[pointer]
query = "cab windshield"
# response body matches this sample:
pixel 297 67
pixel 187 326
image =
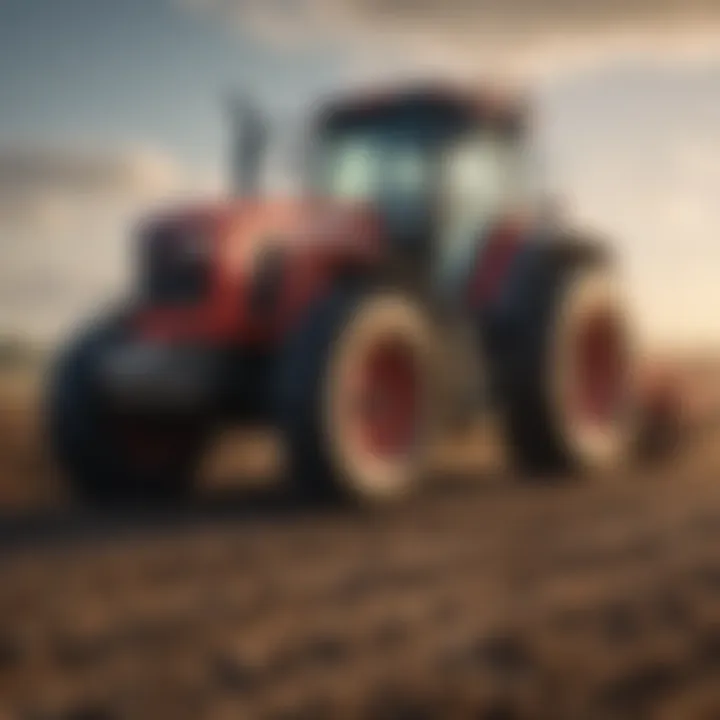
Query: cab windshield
pixel 371 166
pixel 427 169
pixel 386 160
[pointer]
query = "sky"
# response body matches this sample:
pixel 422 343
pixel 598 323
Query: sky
pixel 108 109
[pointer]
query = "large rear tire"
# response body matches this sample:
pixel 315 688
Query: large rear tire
pixel 571 405
pixel 356 403
pixel 100 453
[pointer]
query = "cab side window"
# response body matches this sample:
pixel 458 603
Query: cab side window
pixel 479 182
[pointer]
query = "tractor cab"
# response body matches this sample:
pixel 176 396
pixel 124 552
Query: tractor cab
pixel 440 168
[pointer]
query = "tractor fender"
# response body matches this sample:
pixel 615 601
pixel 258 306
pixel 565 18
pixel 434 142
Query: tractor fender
pixel 352 275
pixel 537 259
pixel 511 313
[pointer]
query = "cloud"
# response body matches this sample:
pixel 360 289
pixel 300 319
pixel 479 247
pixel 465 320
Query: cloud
pixel 84 170
pixel 65 216
pixel 47 186
pixel 513 38
pixel 282 22
pixel 527 17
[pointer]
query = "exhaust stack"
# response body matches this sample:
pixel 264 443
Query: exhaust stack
pixel 248 139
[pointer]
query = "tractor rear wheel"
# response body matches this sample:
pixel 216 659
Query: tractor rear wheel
pixel 356 397
pixel 572 403
pixel 109 457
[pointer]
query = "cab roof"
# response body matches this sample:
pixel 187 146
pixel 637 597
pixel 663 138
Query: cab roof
pixel 481 101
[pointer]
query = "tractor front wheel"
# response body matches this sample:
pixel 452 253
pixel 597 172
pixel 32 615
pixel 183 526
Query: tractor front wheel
pixel 357 396
pixel 110 457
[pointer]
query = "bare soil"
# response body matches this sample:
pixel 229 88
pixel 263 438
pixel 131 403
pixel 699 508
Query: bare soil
pixel 486 597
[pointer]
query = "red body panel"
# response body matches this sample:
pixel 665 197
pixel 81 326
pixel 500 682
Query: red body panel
pixel 317 240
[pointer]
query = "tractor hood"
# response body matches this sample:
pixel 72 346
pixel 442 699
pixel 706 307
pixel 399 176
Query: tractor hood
pixel 246 229
pixel 258 264
pixel 324 230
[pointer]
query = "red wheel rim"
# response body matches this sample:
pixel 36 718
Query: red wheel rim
pixel 386 399
pixel 600 355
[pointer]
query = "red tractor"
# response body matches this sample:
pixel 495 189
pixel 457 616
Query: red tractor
pixel 416 283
